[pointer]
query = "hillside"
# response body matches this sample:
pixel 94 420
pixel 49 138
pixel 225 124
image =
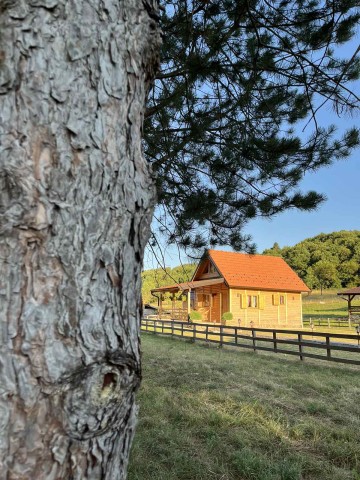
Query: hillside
pixel 328 260
pixel 160 277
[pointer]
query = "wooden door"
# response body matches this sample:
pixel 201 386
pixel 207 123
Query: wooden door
pixel 204 306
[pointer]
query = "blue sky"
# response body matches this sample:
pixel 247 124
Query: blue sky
pixel 340 183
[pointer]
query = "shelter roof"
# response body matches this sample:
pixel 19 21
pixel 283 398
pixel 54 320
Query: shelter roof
pixel 351 291
pixel 262 272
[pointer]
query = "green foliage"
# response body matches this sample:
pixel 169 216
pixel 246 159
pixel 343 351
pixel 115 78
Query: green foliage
pixel 326 261
pixel 237 80
pixel 195 316
pixel 226 317
pixel 159 277
pixel 326 273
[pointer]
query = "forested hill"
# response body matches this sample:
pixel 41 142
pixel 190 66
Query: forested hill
pixel 327 260
pixel 160 277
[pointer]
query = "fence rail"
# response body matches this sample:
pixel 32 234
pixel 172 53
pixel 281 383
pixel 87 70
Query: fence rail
pixel 328 322
pixel 327 346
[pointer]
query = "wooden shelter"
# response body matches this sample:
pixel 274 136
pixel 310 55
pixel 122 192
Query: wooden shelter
pixel 258 290
pixel 353 310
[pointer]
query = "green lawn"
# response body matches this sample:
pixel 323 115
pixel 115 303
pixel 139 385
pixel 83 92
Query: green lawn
pixel 209 413
pixel 327 305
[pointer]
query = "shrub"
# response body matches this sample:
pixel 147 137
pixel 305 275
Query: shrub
pixel 226 317
pixel 195 316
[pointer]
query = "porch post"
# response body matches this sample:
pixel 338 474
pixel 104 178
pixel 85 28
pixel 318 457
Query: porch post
pixel 188 301
pixel 350 298
pixel 210 305
pixel 172 306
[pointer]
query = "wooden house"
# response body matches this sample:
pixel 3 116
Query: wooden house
pixel 259 290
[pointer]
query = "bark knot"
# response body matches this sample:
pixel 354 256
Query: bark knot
pixel 97 398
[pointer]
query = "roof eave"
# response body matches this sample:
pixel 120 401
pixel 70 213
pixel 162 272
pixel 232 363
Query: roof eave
pixel 184 287
pixel 270 289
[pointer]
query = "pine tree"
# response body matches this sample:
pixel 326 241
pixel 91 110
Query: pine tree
pixel 239 80
pixel 76 200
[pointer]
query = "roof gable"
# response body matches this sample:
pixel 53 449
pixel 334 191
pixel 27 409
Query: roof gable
pixel 205 269
pixel 262 272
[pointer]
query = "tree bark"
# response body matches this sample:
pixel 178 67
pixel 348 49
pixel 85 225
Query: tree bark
pixel 76 199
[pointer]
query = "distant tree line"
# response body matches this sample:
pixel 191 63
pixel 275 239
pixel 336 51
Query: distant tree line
pixel 159 277
pixel 329 260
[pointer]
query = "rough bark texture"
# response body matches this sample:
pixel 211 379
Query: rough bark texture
pixel 76 199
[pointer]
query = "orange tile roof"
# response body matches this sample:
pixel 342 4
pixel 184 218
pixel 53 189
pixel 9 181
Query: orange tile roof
pixel 261 272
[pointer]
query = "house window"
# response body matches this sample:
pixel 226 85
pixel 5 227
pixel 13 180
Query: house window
pixel 203 300
pixel 206 300
pixel 252 301
pixel 210 268
pixel 282 300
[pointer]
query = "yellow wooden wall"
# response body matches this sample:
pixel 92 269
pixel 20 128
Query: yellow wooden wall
pixel 266 314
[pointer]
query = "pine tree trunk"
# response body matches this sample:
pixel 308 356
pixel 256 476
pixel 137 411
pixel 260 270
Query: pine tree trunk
pixel 76 198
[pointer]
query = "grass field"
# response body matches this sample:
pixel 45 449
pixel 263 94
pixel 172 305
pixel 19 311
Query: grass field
pixel 209 413
pixel 327 305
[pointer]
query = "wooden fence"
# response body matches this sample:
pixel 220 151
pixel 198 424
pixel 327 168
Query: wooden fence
pixel 304 344
pixel 328 322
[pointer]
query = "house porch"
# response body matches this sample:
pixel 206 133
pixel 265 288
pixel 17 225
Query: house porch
pixel 209 297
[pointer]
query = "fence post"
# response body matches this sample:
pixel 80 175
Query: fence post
pixel 300 346
pixel 254 339
pixel 275 342
pixel 182 329
pixel 328 347
pixel 172 329
pixel 221 335
pixel 162 326
pixel 207 333
pixel 154 327
pixel 194 332
pixel 236 335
